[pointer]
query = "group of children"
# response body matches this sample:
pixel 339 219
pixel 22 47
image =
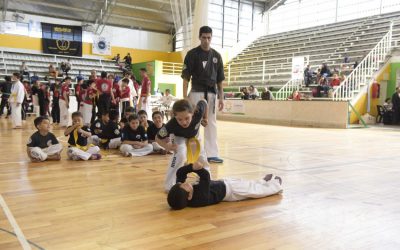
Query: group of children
pixel 135 135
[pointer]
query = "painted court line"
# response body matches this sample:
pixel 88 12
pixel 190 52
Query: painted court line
pixel 21 238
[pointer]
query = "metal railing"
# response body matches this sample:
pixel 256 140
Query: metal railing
pixel 363 73
pixel 288 88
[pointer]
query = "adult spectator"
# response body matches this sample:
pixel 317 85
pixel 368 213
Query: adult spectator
pixel 307 75
pixel 355 65
pixel 346 59
pixel 388 104
pixel 23 70
pixel 117 58
pixel 93 75
pixel 128 60
pixel 66 67
pixel 267 94
pixel 335 81
pixel 244 93
pixel 253 92
pixel 53 71
pixel 203 66
pixel 396 106
pixel 5 89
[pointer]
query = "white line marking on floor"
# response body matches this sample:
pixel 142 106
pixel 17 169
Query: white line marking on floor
pixel 21 237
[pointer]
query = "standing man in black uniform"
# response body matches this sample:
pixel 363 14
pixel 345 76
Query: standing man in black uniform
pixel 203 66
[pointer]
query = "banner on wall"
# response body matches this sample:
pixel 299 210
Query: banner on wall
pixel 101 46
pixel 234 107
pixel 62 39
pixel 298 65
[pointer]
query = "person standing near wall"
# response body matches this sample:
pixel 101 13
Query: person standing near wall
pixel 203 66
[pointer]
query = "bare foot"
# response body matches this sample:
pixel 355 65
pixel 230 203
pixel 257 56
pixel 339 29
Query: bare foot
pixel 95 157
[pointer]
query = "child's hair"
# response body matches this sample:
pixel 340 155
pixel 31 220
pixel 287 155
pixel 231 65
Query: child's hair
pixel 125 80
pixel 105 112
pixel 142 112
pixel 38 120
pixel 182 105
pixel 205 29
pixel 177 197
pixel 114 115
pixel 130 110
pixel 133 117
pixel 77 114
pixel 156 113
pixel 103 74
pixel 7 78
pixel 67 78
pixel 143 69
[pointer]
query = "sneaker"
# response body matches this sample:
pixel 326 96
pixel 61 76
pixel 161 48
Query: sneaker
pixel 215 160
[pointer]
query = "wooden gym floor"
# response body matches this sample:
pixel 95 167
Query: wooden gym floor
pixel 341 191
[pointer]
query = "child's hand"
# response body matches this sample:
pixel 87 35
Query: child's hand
pixel 171 147
pixel 204 122
pixel 198 165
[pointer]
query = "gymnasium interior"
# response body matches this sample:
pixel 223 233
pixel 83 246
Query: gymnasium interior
pixel 311 93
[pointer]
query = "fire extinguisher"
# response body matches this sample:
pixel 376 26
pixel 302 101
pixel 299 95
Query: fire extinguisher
pixel 375 89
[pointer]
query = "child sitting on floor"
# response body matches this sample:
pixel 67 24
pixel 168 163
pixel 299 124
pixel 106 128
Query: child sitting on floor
pixel 152 132
pixel 110 136
pixel 134 139
pixel 79 148
pixel 208 192
pixel 143 120
pixel 43 145
pixel 124 120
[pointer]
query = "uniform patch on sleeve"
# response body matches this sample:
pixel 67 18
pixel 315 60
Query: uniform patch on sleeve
pixel 163 132
pixel 116 131
pixel 98 125
pixel 215 60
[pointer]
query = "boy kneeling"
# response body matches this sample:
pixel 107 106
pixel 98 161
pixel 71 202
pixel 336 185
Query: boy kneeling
pixel 209 192
pixel 43 145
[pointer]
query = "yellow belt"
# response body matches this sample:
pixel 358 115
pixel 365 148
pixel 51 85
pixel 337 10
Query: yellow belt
pixel 84 148
pixel 192 157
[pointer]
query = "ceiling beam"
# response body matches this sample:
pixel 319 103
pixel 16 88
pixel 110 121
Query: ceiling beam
pixel 129 6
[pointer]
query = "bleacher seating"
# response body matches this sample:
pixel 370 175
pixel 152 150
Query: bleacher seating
pixel 38 63
pixel 327 43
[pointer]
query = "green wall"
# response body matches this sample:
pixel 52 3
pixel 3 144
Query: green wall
pixel 392 80
pixel 170 86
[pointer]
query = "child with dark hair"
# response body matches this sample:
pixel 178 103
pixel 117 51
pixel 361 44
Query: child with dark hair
pixel 144 122
pixel 124 120
pixel 208 192
pixel 117 96
pixel 43 145
pixel 134 139
pixel 98 126
pixel 152 131
pixel 111 135
pixel 79 148
pixel 183 127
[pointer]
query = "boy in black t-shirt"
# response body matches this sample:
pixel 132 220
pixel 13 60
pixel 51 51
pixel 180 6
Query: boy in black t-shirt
pixel 79 148
pixel 97 128
pixel 124 120
pixel 183 126
pixel 134 139
pixel 110 136
pixel 43 145
pixel 152 132
pixel 208 192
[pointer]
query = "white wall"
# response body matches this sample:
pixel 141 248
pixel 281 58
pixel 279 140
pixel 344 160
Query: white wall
pixel 119 37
